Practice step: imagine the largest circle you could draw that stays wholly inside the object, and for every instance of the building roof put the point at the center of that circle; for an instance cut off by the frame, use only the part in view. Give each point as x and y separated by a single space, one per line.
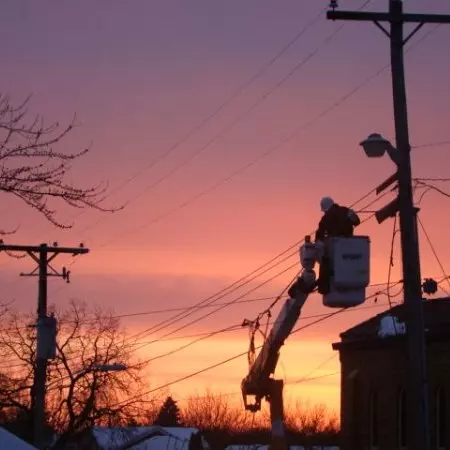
390 325
175 438
292 447
11 442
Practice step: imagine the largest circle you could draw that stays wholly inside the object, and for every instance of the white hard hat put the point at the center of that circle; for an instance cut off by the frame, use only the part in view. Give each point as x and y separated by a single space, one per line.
326 203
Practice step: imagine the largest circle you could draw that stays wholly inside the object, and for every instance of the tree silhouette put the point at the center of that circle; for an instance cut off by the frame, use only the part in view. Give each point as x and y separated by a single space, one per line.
169 415
213 411
35 171
79 394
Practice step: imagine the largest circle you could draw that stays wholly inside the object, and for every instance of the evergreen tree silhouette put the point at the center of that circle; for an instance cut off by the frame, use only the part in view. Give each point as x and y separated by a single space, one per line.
169 415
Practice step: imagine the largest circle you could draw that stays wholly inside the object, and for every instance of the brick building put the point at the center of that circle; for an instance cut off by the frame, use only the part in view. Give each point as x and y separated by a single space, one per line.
374 369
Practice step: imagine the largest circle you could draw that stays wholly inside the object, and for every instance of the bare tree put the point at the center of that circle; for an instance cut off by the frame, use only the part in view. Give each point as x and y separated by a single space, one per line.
311 420
80 393
213 411
33 170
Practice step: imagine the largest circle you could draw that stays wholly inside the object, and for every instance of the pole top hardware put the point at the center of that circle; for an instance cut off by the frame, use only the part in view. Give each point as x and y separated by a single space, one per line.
333 4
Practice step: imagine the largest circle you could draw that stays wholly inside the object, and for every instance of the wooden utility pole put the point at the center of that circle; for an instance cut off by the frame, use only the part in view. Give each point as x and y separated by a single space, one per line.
46 325
417 403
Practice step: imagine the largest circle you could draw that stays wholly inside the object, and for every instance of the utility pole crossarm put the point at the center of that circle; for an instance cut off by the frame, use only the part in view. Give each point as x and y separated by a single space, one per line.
358 15
38 248
386 17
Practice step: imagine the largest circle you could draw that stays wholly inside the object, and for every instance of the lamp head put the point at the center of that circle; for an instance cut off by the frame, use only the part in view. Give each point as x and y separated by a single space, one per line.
375 145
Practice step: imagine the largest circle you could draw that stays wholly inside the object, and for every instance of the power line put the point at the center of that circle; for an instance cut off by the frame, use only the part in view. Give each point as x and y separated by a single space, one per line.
391 264
223 292
203 336
320 318
432 179
189 344
211 299
317 118
379 292
267 310
304 380
258 158
192 322
223 105
229 394
226 179
213 187
434 253
244 280
322 364
225 361
195 335
204 316
225 130
188 308
230 328
391 259
229 177
431 144
243 87
429 187
186 377
233 286
233 301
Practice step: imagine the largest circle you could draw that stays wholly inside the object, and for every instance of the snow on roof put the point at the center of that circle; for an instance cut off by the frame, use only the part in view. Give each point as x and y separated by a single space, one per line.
292 447
247 447
11 442
390 326
177 437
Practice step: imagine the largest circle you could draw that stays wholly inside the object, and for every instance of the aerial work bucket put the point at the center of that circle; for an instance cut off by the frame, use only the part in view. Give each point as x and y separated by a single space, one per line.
350 271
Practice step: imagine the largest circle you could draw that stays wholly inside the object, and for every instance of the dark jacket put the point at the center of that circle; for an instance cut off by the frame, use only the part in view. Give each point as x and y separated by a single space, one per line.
338 221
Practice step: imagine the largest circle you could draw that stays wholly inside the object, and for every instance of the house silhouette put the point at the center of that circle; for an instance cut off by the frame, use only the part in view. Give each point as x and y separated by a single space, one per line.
374 377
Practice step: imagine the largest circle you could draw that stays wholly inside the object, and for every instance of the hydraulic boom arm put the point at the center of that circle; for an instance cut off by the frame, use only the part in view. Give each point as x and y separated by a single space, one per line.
344 278
258 383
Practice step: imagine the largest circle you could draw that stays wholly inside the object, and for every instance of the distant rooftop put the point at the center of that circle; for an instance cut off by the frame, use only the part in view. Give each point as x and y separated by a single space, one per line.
176 438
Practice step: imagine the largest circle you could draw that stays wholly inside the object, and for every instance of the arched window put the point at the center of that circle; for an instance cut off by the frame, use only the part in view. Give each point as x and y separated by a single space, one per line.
440 414
373 418
401 419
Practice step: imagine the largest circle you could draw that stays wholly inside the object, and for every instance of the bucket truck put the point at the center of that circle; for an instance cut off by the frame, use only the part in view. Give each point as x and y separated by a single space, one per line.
348 279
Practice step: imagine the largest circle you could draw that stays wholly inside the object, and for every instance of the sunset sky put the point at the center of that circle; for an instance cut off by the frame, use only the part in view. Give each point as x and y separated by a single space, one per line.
221 148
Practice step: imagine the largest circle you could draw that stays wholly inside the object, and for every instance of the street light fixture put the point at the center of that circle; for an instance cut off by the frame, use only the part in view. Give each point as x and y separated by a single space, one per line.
375 146
118 367
96 368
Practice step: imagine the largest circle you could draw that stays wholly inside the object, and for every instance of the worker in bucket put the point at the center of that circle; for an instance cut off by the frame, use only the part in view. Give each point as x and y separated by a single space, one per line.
337 221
